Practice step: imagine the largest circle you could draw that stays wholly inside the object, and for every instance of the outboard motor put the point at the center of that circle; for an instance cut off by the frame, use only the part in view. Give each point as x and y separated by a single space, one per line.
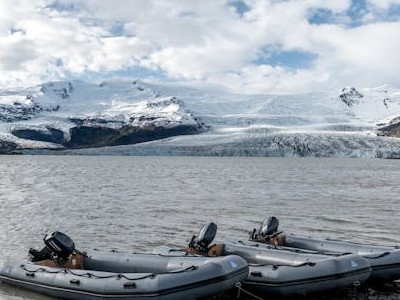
269 226
202 241
268 230
59 246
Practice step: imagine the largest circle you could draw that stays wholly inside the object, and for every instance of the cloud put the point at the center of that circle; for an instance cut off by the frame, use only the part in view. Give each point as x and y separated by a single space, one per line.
383 4
251 45
16 52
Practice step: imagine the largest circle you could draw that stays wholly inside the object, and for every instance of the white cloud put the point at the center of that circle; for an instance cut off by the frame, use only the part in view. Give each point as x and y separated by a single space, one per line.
277 80
207 41
365 55
383 4
16 52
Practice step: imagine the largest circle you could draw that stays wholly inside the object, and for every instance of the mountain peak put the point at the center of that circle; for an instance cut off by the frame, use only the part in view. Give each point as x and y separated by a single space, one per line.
350 96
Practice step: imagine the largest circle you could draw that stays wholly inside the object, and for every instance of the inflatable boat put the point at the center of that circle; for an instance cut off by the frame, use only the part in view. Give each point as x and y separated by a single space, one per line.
287 273
111 275
384 260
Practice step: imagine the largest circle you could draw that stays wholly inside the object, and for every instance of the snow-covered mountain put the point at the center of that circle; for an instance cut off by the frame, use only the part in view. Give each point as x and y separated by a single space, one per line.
138 118
63 115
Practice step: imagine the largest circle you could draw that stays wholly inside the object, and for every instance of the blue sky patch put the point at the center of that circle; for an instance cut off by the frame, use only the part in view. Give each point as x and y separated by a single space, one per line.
240 6
63 7
357 12
353 17
321 16
288 59
393 13
356 15
360 8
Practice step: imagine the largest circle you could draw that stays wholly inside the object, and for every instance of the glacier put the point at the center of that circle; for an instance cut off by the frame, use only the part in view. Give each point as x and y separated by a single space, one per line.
140 118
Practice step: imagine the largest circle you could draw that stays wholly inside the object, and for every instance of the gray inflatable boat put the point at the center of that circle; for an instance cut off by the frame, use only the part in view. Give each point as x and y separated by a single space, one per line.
384 260
287 273
117 276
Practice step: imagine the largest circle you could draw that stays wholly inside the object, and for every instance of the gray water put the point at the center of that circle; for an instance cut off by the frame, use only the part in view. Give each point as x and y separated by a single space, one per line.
137 203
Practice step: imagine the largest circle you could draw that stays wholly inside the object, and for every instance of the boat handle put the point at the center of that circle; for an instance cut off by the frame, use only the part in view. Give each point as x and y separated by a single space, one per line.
256 274
130 285
30 274
75 281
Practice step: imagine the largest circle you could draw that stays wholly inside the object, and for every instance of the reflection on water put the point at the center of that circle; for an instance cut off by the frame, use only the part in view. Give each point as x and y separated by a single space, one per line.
136 203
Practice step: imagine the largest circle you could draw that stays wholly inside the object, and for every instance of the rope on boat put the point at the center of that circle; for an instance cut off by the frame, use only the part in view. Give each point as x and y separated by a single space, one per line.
91 275
274 267
376 256
295 250
241 289
164 255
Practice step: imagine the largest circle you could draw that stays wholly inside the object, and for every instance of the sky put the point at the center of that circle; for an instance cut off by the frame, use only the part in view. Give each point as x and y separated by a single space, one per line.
244 46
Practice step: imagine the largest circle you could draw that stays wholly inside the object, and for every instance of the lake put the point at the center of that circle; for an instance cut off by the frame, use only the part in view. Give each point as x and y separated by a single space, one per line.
137 203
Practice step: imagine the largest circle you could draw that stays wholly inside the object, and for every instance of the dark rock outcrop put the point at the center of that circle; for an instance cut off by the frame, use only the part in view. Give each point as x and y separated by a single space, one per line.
132 135
7 147
90 136
392 129
99 136
43 134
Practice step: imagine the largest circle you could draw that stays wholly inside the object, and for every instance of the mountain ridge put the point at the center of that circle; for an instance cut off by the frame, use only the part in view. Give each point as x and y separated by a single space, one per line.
67 115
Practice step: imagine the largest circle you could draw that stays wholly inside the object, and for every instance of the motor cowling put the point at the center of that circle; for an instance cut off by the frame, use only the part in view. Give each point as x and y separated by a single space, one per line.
268 232
202 241
60 244
269 226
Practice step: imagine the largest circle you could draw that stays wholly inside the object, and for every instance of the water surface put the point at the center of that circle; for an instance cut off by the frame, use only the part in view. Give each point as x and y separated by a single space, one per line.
137 203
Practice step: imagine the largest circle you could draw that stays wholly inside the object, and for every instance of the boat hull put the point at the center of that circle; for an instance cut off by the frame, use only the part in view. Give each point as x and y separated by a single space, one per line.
276 272
384 260
130 276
